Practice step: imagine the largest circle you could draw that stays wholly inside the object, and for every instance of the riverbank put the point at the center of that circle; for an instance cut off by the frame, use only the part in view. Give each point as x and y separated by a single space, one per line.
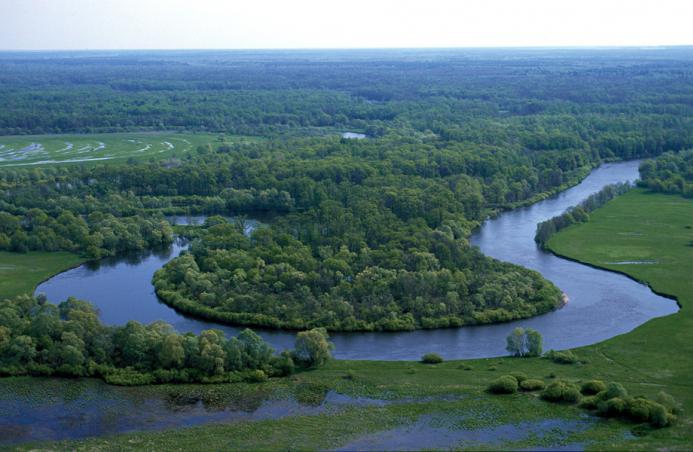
21 273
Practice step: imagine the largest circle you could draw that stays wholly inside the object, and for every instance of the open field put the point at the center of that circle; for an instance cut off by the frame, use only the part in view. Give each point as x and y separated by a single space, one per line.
446 404
21 273
29 150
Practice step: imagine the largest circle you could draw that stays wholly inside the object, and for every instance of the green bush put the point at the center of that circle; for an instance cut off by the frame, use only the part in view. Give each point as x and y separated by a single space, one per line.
615 390
592 387
519 376
638 409
589 402
659 417
668 401
561 391
613 407
532 384
564 357
128 377
506 384
256 376
431 358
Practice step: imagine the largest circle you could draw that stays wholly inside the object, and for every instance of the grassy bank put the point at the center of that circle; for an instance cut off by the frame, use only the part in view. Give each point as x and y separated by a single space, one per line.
21 273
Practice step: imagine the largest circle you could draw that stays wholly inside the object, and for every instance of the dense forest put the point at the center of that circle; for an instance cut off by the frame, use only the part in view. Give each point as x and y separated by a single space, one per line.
367 234
669 173
40 338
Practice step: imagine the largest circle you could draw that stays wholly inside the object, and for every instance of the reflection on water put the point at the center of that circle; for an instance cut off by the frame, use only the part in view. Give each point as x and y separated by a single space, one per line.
602 304
33 409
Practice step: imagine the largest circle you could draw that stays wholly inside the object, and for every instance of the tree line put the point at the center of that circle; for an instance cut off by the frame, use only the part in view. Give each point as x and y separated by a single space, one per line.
39 338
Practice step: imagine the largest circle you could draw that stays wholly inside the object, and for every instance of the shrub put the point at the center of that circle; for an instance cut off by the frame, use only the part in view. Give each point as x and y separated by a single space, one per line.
613 407
615 390
561 391
350 375
506 384
519 376
431 358
256 376
668 401
564 357
128 377
589 402
659 417
638 409
593 387
532 384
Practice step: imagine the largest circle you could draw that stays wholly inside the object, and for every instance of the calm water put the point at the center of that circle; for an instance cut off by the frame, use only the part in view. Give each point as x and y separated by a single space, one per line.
602 304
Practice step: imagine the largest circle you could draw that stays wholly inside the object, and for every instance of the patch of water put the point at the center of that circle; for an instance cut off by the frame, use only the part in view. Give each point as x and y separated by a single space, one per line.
438 432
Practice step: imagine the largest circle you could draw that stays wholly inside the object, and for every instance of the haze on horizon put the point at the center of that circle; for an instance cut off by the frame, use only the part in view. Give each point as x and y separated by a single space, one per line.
264 24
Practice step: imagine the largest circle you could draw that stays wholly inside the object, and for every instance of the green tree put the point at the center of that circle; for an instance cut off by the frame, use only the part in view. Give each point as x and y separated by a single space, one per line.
313 348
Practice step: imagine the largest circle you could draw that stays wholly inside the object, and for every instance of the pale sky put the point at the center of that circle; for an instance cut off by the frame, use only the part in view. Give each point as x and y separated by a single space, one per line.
251 24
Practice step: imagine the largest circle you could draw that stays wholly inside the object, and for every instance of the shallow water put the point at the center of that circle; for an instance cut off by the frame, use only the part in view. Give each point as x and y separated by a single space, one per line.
601 304
53 409
428 432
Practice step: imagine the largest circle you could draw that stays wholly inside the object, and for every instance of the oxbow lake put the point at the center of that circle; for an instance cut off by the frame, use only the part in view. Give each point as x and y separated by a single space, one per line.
601 304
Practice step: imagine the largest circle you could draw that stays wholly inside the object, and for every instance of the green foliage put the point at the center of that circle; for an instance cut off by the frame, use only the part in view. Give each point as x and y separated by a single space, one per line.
561 391
669 173
519 376
38 338
505 384
431 358
579 213
524 342
532 384
313 347
592 387
562 357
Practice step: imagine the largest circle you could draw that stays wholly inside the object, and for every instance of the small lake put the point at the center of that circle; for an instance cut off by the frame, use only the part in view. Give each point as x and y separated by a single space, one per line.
602 304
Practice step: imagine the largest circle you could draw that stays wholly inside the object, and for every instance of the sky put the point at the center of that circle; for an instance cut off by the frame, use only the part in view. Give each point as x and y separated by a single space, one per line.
284 24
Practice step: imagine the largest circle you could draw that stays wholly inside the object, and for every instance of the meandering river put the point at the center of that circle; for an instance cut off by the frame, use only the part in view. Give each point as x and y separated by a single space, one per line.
601 304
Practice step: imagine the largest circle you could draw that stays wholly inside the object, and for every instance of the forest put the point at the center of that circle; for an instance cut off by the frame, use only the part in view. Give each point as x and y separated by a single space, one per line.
669 173
367 234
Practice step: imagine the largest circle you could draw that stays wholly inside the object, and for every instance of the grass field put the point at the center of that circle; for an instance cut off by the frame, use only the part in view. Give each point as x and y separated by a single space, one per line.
29 150
21 273
447 404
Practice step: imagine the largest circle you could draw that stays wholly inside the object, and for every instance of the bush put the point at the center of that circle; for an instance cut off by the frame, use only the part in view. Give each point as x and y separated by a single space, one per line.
128 377
659 417
668 401
589 402
615 390
564 357
593 387
532 384
506 384
431 358
256 376
638 409
561 391
519 376
614 407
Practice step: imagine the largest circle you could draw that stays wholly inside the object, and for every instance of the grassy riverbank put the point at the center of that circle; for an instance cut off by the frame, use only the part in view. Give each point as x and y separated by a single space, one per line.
21 273
446 404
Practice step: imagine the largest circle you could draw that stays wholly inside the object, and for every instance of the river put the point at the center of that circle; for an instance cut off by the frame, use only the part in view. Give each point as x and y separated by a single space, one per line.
601 304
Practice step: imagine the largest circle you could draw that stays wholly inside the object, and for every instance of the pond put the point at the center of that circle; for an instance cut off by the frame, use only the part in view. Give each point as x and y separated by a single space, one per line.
601 304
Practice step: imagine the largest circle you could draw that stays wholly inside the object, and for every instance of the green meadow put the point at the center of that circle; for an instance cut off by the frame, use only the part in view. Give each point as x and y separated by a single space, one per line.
31 150
21 273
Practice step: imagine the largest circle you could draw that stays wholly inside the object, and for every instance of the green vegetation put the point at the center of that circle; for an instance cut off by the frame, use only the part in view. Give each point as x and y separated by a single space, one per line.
579 213
32 150
669 173
431 358
21 273
39 338
524 342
